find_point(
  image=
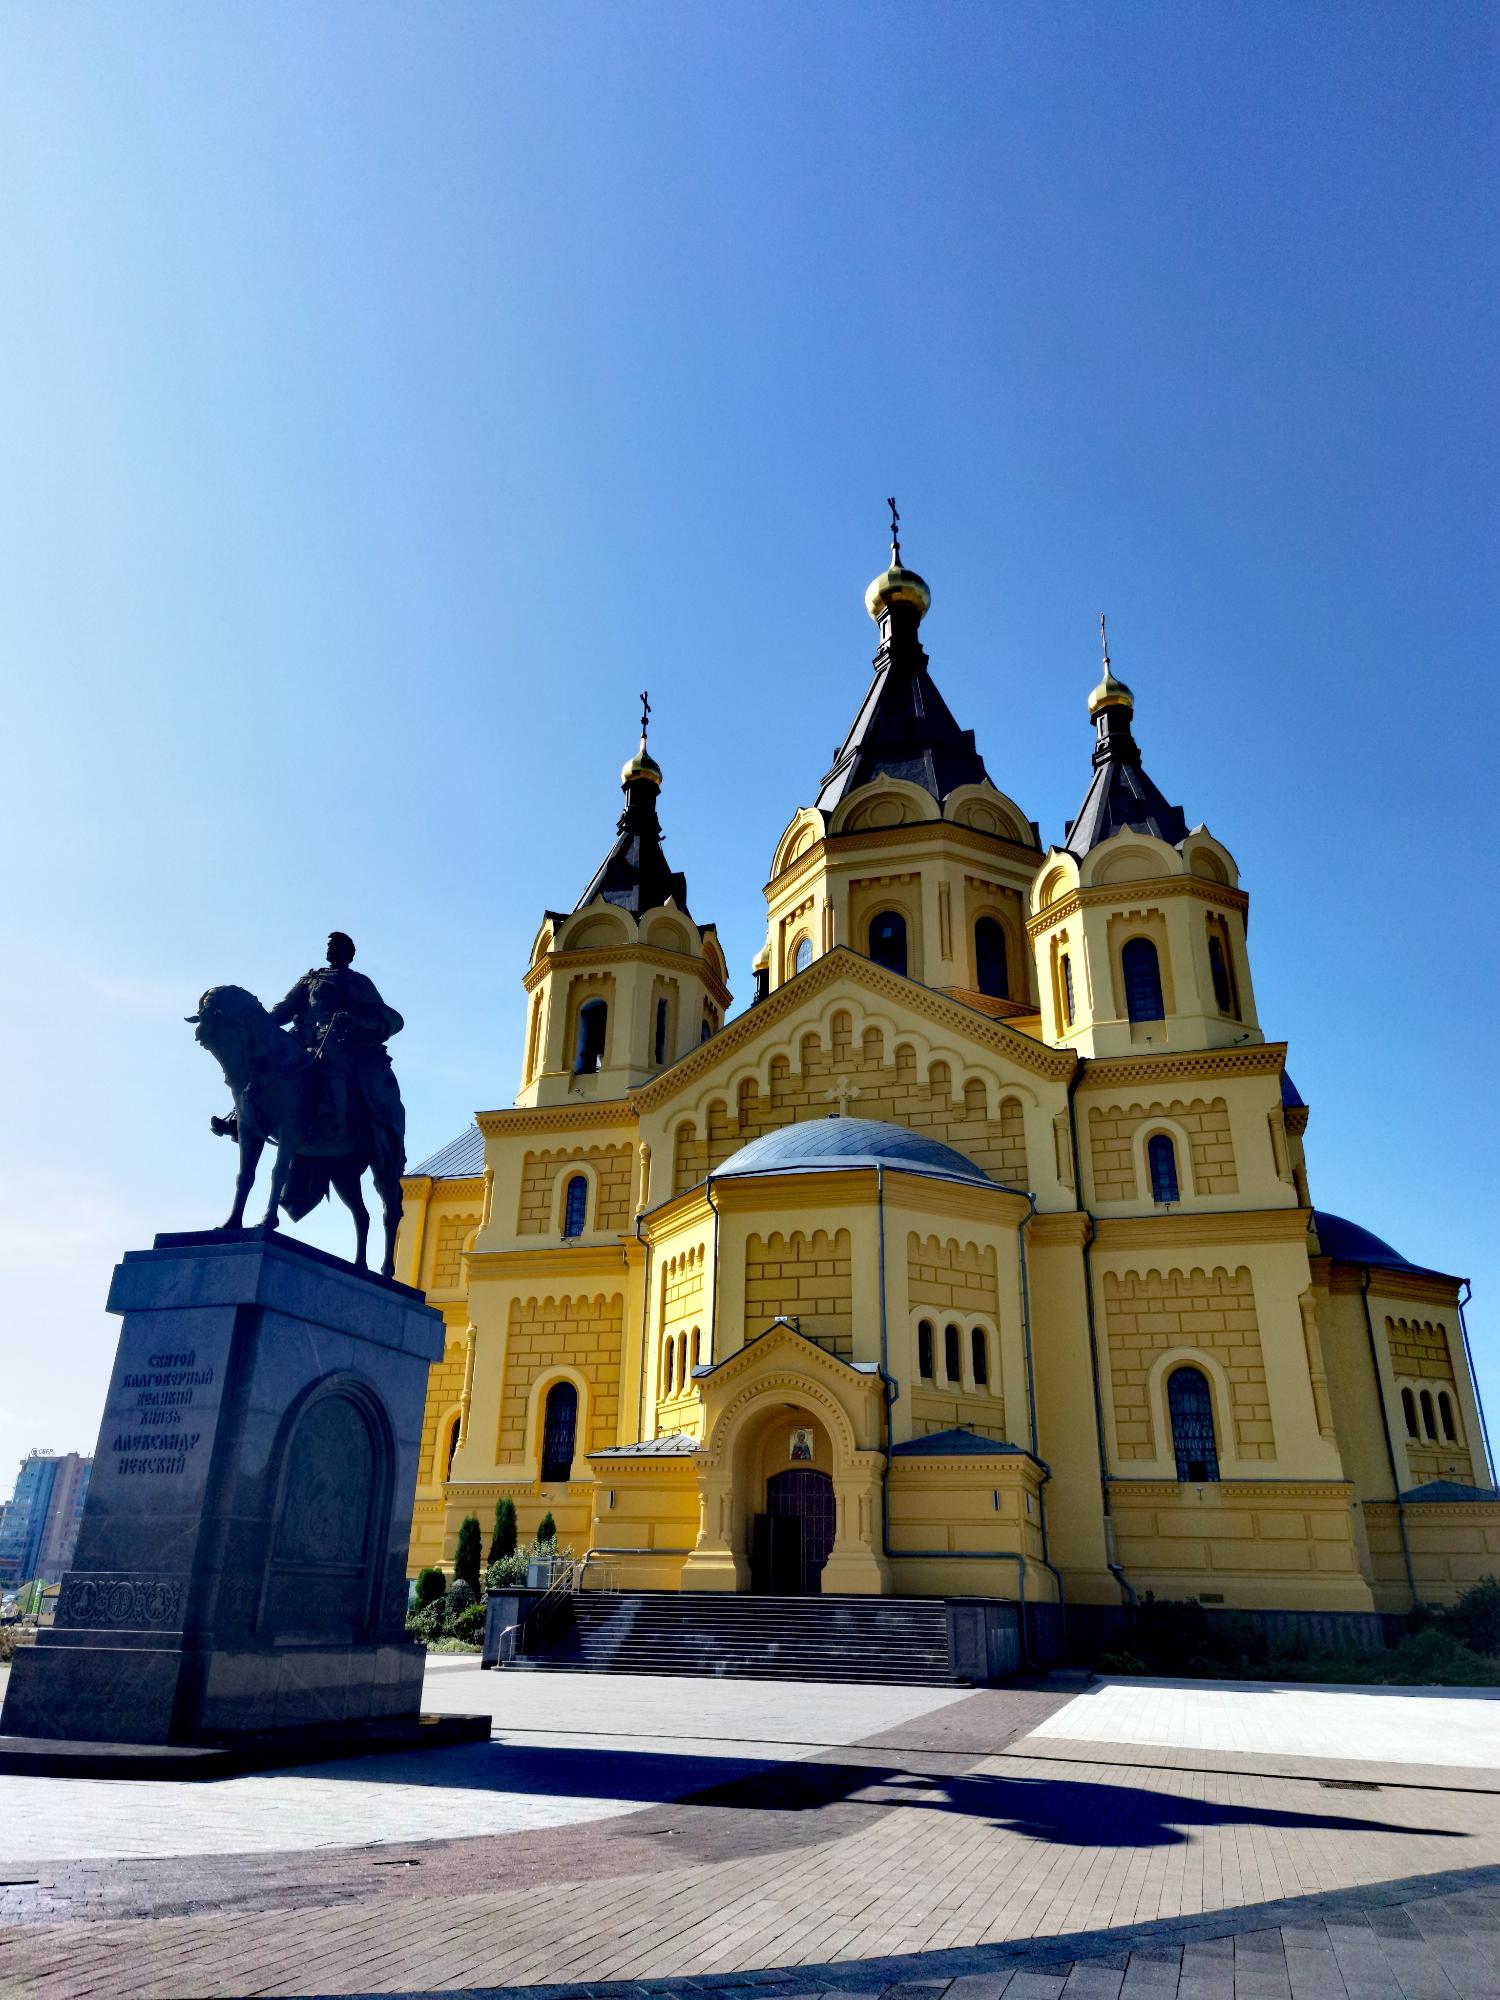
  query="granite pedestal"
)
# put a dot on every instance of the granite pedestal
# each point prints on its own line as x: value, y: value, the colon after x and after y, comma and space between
x: 240, y: 1575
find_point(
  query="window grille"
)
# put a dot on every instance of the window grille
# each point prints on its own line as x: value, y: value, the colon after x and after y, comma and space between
x: 802, y: 956
x: 559, y: 1431
x: 1192, y: 1412
x: 1142, y: 970
x: 576, y: 1206
x: 1161, y: 1158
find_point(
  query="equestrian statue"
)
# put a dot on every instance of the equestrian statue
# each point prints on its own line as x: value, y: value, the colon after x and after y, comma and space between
x: 312, y: 1076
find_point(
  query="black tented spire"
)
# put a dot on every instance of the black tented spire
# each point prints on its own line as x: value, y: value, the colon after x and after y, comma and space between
x: 635, y: 874
x: 1120, y: 794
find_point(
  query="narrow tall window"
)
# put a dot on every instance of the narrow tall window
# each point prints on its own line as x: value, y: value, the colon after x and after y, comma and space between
x: 952, y: 1352
x: 888, y: 941
x: 1142, y: 970
x: 1218, y: 965
x: 802, y: 956
x: 1067, y: 987
x: 660, y: 1045
x: 1161, y: 1158
x: 1445, y: 1412
x: 981, y: 1348
x: 1429, y: 1421
x: 1409, y: 1411
x: 1192, y: 1412
x: 668, y: 1365
x: 559, y: 1431
x: 681, y: 1362
x: 593, y: 1020
x: 576, y: 1206
x: 697, y: 1337
x: 990, y: 971
x: 452, y: 1446
x: 924, y: 1350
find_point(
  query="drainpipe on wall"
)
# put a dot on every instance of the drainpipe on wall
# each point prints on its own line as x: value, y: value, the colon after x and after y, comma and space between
x: 713, y: 1296
x: 1484, y: 1423
x: 1116, y: 1569
x: 1390, y: 1443
x: 1041, y: 1495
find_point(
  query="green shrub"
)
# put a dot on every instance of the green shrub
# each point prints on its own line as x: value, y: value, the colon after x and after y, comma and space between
x: 466, y: 1555
x: 469, y: 1625
x: 431, y: 1622
x: 507, y: 1572
x: 503, y: 1538
x: 547, y: 1532
x: 431, y: 1583
x: 460, y: 1598
x: 1475, y: 1620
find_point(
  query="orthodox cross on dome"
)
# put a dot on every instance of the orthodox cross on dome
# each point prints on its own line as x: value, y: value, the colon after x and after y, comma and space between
x: 841, y: 1093
x: 895, y: 532
x: 645, y: 713
x: 1104, y: 644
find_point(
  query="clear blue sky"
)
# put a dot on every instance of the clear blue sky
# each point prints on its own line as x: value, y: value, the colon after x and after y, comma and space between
x: 389, y: 392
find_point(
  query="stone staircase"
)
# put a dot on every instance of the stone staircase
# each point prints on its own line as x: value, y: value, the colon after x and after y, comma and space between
x: 900, y: 1639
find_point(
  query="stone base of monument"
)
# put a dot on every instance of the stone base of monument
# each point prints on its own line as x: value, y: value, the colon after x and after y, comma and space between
x: 239, y: 1584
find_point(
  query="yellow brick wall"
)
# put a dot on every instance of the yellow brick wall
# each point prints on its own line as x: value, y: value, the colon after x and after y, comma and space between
x: 887, y: 1086
x: 1149, y: 1312
x: 447, y: 1250
x: 1113, y: 1132
x: 804, y: 1277
x: 538, y: 1213
x: 445, y: 1383
x: 583, y: 1333
x: 1419, y: 1348
x: 1452, y: 1546
x: 951, y: 1278
x: 1246, y: 1544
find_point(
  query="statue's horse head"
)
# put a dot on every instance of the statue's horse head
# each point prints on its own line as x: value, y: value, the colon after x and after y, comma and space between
x: 225, y: 1011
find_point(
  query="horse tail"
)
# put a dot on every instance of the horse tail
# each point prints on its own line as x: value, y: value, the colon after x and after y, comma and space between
x: 306, y: 1185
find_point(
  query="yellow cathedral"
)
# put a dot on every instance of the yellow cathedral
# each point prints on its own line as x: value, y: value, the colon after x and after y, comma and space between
x: 975, y: 1258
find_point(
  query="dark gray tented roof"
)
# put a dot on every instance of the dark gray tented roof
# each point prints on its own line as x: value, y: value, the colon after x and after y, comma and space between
x: 1437, y: 1490
x: 1120, y: 795
x: 826, y: 1144
x: 904, y: 729
x: 635, y: 874
x: 957, y: 1443
x: 459, y: 1160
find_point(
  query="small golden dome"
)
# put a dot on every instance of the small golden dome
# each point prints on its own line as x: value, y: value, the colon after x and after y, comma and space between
x: 1110, y: 693
x: 898, y: 586
x: 641, y: 766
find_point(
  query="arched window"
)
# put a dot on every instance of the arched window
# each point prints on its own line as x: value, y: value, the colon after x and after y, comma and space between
x: 952, y: 1352
x: 888, y: 941
x: 979, y: 1341
x: 452, y: 1446
x: 559, y: 1431
x: 576, y: 1206
x: 924, y: 1350
x: 706, y: 1030
x: 1218, y: 966
x: 990, y: 971
x: 1445, y: 1412
x: 1139, y: 964
x: 1409, y: 1411
x: 1067, y: 987
x: 668, y: 1366
x: 660, y: 1045
x: 695, y: 1353
x: 681, y: 1362
x: 1192, y: 1412
x: 802, y: 956
x: 1429, y: 1421
x: 1161, y: 1158
x: 593, y: 1019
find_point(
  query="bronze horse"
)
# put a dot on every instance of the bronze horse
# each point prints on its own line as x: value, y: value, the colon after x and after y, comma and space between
x: 279, y: 1095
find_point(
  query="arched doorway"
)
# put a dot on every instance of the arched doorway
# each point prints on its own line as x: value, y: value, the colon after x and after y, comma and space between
x: 801, y: 1519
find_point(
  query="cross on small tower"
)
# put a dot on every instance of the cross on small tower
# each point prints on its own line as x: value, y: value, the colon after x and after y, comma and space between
x: 645, y: 713
x: 841, y: 1093
x: 1104, y: 643
x: 895, y: 533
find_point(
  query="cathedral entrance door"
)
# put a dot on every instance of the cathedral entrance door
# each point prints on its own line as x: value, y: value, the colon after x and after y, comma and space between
x: 804, y: 1498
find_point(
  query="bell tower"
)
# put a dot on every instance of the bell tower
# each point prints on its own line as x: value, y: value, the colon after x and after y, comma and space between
x: 1138, y: 922
x: 626, y: 983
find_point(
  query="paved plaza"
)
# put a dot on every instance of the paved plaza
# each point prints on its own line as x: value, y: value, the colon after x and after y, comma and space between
x: 1119, y: 1841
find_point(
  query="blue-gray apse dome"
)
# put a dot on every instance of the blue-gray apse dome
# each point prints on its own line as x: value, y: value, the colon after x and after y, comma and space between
x: 1350, y: 1243
x: 825, y: 1145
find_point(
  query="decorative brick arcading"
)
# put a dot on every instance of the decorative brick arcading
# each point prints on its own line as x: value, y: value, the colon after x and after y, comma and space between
x: 1149, y: 1312
x: 1114, y: 1130
x: 951, y: 1277
x: 537, y: 1213
x: 1418, y: 1347
x: 803, y: 1277
x: 992, y: 1136
x: 447, y: 1250
x: 580, y: 1333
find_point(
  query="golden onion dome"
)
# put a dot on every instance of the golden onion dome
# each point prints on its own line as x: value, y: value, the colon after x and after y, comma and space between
x: 898, y: 586
x: 641, y: 766
x: 1111, y: 693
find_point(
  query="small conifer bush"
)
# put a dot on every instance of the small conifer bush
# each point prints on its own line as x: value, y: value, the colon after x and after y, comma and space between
x: 431, y: 1583
x: 466, y: 1555
x: 503, y: 1537
x: 547, y: 1532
